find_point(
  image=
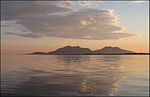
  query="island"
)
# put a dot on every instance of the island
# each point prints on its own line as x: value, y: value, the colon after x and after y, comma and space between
x: 77, y: 50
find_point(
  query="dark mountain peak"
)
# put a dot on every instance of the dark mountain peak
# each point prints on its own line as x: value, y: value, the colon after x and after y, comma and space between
x: 77, y: 46
x: 66, y: 47
x: 71, y: 50
x: 71, y: 47
x: 38, y: 53
x: 78, y: 50
x: 110, y: 47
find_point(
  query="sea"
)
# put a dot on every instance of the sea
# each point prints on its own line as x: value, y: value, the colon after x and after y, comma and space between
x: 74, y: 75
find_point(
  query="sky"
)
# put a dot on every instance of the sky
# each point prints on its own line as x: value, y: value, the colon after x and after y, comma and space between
x: 29, y: 26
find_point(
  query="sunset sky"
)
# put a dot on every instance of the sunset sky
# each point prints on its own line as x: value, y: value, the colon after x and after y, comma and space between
x: 29, y: 26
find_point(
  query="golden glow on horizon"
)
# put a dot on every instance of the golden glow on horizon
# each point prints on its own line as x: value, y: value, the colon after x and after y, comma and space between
x: 137, y: 44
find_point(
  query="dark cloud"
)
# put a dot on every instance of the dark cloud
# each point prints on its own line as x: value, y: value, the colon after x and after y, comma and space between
x: 18, y: 10
x: 87, y: 23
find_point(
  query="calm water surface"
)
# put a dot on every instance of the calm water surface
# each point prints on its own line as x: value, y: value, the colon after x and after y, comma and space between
x: 76, y: 75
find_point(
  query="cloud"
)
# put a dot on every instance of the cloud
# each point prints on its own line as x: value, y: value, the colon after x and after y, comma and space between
x: 84, y: 3
x: 68, y: 4
x: 86, y: 23
x: 27, y: 34
x: 17, y: 10
x: 139, y: 1
x: 72, y: 4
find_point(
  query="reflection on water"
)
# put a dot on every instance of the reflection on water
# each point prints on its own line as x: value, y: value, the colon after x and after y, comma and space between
x: 76, y: 75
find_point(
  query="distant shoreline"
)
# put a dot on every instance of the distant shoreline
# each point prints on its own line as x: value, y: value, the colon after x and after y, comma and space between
x: 98, y: 54
x: 77, y: 50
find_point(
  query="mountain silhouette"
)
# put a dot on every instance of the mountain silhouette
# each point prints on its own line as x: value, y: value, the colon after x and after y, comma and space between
x: 68, y: 50
x: 71, y: 50
x: 38, y: 53
x: 109, y: 49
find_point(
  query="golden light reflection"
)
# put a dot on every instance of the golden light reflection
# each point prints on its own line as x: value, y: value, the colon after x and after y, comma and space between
x: 88, y: 74
x: 84, y: 87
